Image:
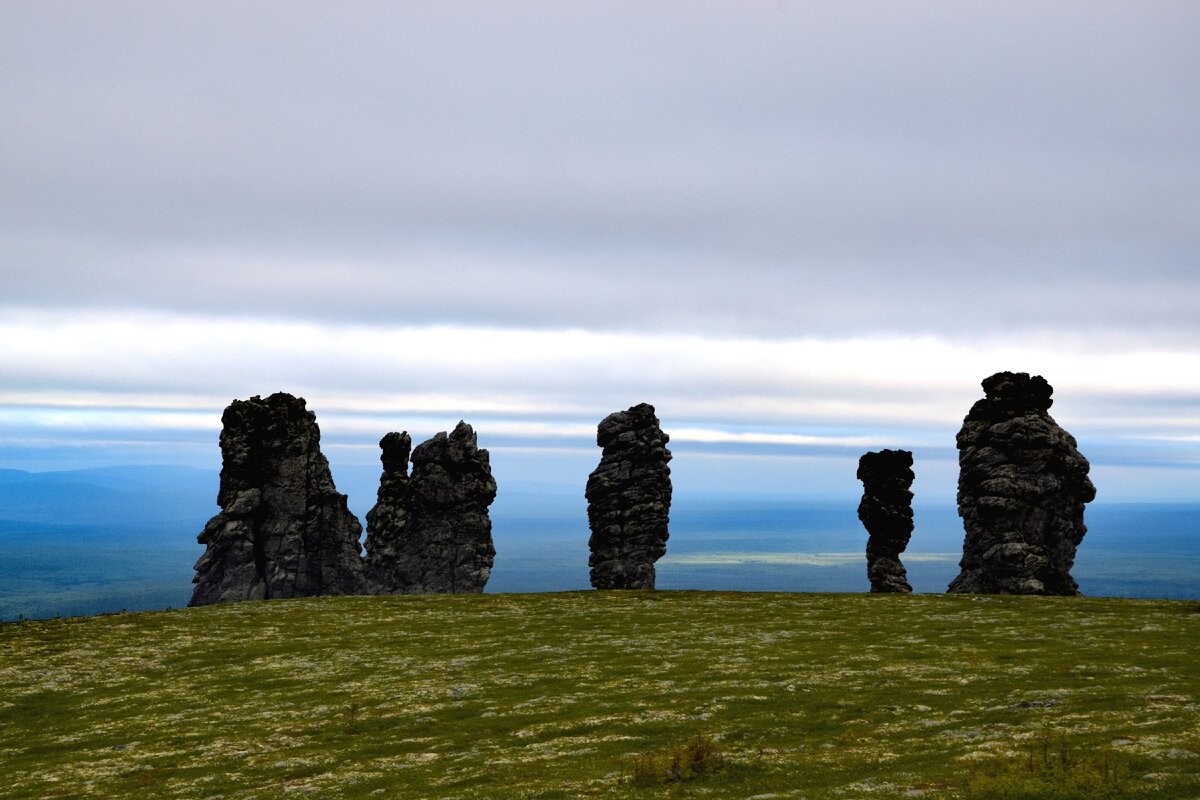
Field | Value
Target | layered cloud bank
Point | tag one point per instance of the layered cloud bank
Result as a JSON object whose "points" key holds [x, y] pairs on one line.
{"points": [[155, 383]]}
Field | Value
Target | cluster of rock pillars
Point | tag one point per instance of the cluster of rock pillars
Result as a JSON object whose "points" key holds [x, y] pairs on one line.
{"points": [[285, 531]]}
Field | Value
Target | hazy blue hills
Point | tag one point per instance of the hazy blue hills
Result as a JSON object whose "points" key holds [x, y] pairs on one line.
{"points": [[97, 540], [131, 495]]}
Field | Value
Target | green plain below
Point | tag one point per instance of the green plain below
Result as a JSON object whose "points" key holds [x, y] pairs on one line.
{"points": [[599, 694]]}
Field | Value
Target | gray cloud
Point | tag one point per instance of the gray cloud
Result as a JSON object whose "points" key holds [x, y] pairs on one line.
{"points": [[710, 167]]}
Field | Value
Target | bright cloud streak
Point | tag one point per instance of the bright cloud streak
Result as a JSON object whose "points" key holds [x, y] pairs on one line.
{"points": [[514, 371], [155, 377]]}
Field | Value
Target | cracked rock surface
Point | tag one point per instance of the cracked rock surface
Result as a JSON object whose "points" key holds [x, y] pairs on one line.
{"points": [[1022, 488], [430, 532], [629, 500], [283, 530]]}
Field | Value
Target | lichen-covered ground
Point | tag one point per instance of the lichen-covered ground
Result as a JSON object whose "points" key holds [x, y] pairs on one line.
{"points": [[596, 694]]}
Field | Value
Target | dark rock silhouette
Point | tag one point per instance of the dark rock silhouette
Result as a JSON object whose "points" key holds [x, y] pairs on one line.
{"points": [[284, 530], [387, 521], [886, 513], [1022, 487], [430, 533], [629, 500]]}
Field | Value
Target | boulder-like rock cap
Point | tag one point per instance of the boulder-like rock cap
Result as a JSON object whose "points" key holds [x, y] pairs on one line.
{"points": [[1022, 487], [431, 533], [1012, 394], [629, 500], [886, 512], [283, 530]]}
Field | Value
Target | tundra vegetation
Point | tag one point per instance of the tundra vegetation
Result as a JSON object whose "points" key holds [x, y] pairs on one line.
{"points": [[609, 695]]}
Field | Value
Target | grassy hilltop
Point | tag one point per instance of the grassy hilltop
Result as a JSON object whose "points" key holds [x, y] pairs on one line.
{"points": [[611, 695]]}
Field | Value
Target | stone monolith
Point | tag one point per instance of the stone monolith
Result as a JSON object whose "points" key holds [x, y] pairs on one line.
{"points": [[886, 512], [629, 500], [283, 530], [1022, 487]]}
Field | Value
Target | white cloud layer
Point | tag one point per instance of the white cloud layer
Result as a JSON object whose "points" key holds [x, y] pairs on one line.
{"points": [[817, 169], [172, 361], [104, 377]]}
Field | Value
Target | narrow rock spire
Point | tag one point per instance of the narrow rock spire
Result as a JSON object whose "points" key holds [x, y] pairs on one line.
{"points": [[886, 513], [629, 500]]}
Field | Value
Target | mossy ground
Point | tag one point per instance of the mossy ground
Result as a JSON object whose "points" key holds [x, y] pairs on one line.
{"points": [[608, 694]]}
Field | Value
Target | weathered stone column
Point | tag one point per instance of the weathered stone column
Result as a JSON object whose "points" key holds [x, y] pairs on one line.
{"points": [[1022, 487], [431, 533], [886, 512], [284, 530], [629, 500]]}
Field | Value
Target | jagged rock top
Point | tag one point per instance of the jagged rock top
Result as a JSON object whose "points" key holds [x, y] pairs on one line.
{"points": [[431, 533], [395, 449], [284, 530], [1011, 394]]}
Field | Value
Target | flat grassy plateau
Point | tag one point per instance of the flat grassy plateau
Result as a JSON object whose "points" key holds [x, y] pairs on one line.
{"points": [[611, 695]]}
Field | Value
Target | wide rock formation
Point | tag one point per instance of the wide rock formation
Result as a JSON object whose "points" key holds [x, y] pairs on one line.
{"points": [[1022, 486], [886, 513], [430, 533], [629, 500], [284, 530]]}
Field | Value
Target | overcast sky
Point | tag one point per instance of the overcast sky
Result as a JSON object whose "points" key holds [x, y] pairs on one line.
{"points": [[801, 230]]}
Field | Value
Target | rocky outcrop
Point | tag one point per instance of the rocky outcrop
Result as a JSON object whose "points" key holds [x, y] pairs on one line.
{"points": [[629, 500], [430, 533], [284, 530], [1022, 487], [886, 513]]}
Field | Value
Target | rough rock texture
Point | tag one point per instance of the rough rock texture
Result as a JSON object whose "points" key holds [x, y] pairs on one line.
{"points": [[886, 513], [283, 530], [387, 521], [430, 533], [629, 500], [1022, 486]]}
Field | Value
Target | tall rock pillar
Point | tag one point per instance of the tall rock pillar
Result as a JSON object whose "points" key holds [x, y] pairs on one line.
{"points": [[886, 513], [1022, 487], [283, 530], [629, 500], [431, 533]]}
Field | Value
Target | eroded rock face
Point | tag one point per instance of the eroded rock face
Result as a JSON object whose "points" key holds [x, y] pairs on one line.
{"points": [[886, 513], [284, 530], [1022, 487], [431, 533], [629, 500]]}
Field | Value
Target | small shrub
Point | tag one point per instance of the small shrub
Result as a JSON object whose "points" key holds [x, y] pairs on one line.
{"points": [[645, 770], [704, 755], [1049, 770], [701, 755]]}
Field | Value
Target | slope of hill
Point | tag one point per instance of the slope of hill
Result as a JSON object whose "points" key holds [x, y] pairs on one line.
{"points": [[602, 694]]}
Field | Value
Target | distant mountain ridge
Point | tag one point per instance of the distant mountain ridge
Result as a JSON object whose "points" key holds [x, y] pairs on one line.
{"points": [[121, 495]]}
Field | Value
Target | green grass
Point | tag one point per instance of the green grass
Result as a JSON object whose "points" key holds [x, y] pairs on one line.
{"points": [[609, 695]]}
